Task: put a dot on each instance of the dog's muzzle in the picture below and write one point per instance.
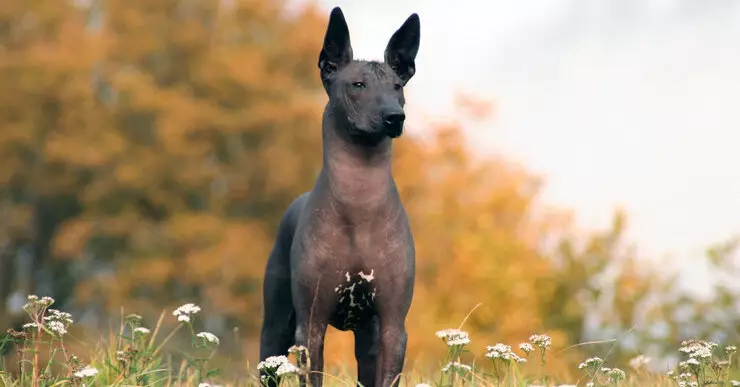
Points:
(393, 123)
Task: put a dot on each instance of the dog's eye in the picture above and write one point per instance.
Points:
(397, 86)
(359, 85)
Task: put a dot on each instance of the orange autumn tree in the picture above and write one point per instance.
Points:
(213, 105)
(49, 118)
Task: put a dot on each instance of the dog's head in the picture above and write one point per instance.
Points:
(366, 96)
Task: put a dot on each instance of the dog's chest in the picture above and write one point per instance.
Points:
(355, 295)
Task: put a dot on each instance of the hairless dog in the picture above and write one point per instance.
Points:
(344, 253)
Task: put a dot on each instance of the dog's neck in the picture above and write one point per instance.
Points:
(358, 175)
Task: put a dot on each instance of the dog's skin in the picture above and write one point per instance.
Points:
(344, 253)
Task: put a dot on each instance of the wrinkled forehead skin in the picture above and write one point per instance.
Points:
(370, 72)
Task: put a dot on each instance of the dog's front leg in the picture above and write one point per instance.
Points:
(311, 335)
(393, 338)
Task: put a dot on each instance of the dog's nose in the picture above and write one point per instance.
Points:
(393, 119)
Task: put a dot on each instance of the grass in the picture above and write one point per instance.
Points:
(137, 356)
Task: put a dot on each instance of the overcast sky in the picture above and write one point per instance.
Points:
(628, 103)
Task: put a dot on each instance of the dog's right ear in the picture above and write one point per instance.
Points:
(337, 50)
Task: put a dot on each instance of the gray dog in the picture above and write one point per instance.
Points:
(344, 253)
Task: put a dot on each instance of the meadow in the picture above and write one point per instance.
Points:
(136, 356)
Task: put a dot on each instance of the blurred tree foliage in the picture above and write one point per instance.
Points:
(149, 148)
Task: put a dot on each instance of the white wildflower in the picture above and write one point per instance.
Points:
(616, 375)
(454, 337)
(697, 348)
(209, 337)
(526, 348)
(639, 362)
(86, 372)
(57, 327)
(34, 304)
(591, 363)
(57, 322)
(689, 365)
(503, 352)
(56, 315)
(272, 363)
(734, 383)
(730, 350)
(297, 349)
(455, 366)
(31, 325)
(185, 312)
(458, 341)
(142, 331)
(46, 301)
(208, 385)
(286, 369)
(703, 353)
(495, 351)
(542, 341)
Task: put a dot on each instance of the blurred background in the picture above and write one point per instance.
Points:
(570, 165)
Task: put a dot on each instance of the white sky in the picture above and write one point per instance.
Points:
(627, 103)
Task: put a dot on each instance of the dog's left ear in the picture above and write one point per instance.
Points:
(337, 50)
(403, 47)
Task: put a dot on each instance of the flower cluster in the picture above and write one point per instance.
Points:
(52, 321)
(58, 322)
(541, 341)
(504, 353)
(277, 366)
(286, 369)
(691, 365)
(615, 374)
(185, 312)
(591, 364)
(526, 348)
(35, 305)
(454, 337)
(458, 367)
(272, 363)
(208, 337)
(86, 372)
(697, 348)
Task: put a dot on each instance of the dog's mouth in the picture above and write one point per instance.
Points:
(393, 131)
(376, 133)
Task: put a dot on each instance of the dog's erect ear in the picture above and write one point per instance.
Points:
(402, 48)
(337, 50)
